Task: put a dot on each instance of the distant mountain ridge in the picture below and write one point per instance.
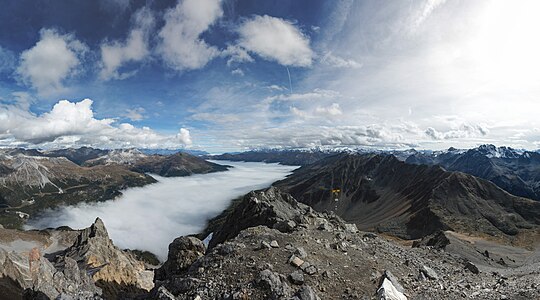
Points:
(516, 171)
(294, 157)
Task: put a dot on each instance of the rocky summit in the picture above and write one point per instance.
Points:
(320, 256)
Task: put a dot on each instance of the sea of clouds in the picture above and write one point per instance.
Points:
(150, 217)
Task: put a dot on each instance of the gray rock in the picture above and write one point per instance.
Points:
(472, 267)
(310, 270)
(387, 291)
(297, 277)
(300, 252)
(285, 226)
(438, 240)
(274, 244)
(271, 208)
(351, 228)
(273, 283)
(393, 279)
(307, 293)
(264, 245)
(429, 273)
(325, 226)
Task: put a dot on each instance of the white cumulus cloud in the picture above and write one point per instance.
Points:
(276, 39)
(54, 58)
(181, 45)
(74, 124)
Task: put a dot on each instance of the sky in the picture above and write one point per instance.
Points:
(150, 217)
(231, 75)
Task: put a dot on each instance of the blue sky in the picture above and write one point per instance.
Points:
(214, 75)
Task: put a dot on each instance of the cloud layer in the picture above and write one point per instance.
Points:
(149, 218)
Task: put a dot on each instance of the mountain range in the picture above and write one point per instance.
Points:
(516, 171)
(293, 157)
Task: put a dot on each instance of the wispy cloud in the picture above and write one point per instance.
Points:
(181, 45)
(114, 54)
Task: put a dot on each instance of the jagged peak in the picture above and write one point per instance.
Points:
(98, 229)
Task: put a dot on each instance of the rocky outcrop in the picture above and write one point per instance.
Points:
(183, 251)
(322, 258)
(69, 264)
(272, 208)
(43, 278)
(438, 240)
(117, 272)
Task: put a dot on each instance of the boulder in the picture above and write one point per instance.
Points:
(300, 252)
(183, 252)
(438, 240)
(387, 275)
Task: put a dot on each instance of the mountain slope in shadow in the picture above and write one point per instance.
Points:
(379, 192)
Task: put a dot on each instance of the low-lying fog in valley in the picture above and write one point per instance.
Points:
(149, 218)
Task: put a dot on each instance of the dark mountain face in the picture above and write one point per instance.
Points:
(517, 172)
(77, 155)
(379, 192)
(285, 157)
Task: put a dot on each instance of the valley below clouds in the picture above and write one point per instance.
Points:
(151, 217)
